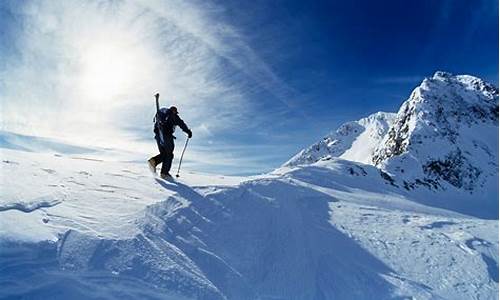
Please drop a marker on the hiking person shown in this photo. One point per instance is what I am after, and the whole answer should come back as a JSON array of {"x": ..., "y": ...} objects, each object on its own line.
[{"x": 165, "y": 122}]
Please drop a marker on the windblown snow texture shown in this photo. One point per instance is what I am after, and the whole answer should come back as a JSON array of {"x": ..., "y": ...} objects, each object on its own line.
[{"x": 329, "y": 225}]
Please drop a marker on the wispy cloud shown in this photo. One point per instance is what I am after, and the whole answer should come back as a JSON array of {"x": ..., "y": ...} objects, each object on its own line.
[{"x": 86, "y": 70}]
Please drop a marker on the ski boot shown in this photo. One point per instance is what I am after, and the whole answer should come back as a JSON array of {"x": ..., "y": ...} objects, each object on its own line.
[
  {"x": 152, "y": 165},
  {"x": 166, "y": 176}
]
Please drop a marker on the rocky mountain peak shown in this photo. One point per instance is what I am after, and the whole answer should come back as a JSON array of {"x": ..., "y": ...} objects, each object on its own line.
[
  {"x": 441, "y": 130},
  {"x": 445, "y": 133}
]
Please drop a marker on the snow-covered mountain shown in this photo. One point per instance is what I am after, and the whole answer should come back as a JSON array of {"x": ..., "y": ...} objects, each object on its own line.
[
  {"x": 354, "y": 141},
  {"x": 76, "y": 226},
  {"x": 445, "y": 134}
]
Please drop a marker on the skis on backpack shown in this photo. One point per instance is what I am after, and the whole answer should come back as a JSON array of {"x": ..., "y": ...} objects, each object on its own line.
[
  {"x": 151, "y": 162},
  {"x": 158, "y": 120},
  {"x": 157, "y": 97}
]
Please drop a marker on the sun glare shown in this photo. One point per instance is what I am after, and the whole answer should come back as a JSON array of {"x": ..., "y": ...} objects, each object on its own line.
[{"x": 107, "y": 70}]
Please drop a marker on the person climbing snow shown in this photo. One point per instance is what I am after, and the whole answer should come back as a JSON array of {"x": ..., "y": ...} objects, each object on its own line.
[{"x": 166, "y": 120}]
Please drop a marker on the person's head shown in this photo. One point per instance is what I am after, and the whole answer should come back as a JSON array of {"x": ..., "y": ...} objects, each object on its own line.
[{"x": 173, "y": 109}]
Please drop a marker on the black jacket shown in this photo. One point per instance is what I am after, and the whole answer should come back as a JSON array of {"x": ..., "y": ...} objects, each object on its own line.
[{"x": 168, "y": 122}]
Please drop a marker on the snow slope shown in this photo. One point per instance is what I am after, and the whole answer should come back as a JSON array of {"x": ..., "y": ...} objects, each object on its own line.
[
  {"x": 75, "y": 228},
  {"x": 354, "y": 141}
]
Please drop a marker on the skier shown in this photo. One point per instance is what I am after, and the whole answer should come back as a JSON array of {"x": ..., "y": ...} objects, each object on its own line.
[{"x": 165, "y": 122}]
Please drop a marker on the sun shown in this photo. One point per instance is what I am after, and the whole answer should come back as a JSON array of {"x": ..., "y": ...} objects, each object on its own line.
[{"x": 107, "y": 70}]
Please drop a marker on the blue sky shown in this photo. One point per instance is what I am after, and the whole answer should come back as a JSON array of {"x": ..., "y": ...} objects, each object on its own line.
[{"x": 256, "y": 80}]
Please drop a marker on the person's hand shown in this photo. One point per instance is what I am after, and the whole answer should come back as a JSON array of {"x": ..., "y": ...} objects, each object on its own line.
[{"x": 190, "y": 134}]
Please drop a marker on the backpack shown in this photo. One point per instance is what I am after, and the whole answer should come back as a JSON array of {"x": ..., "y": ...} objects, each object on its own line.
[{"x": 160, "y": 118}]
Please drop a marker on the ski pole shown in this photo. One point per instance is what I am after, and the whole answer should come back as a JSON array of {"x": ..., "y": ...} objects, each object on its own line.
[
  {"x": 182, "y": 155},
  {"x": 158, "y": 121}
]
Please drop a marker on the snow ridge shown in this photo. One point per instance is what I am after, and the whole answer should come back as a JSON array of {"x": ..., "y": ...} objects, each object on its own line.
[{"x": 354, "y": 141}]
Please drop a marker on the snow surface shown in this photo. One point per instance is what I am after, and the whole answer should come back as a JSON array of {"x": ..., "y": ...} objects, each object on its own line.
[
  {"x": 336, "y": 229},
  {"x": 329, "y": 224}
]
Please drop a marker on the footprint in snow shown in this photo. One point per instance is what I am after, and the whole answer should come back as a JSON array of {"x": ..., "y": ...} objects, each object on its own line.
[
  {"x": 76, "y": 182},
  {"x": 130, "y": 172},
  {"x": 50, "y": 171},
  {"x": 407, "y": 218},
  {"x": 104, "y": 190},
  {"x": 114, "y": 174},
  {"x": 121, "y": 175},
  {"x": 110, "y": 186}
]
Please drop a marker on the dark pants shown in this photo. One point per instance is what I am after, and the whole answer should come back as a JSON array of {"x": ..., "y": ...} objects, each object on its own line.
[{"x": 166, "y": 154}]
